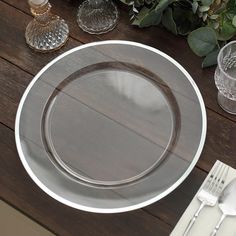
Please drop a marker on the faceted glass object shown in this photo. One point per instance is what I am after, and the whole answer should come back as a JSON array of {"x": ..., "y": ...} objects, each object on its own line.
[
  {"x": 225, "y": 78},
  {"x": 97, "y": 16},
  {"x": 46, "y": 32}
]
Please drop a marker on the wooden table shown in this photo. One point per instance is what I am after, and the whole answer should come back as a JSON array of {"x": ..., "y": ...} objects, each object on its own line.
[{"x": 18, "y": 65}]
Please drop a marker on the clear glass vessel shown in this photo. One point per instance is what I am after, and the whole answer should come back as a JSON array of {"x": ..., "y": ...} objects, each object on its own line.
[
  {"x": 225, "y": 77},
  {"x": 97, "y": 16},
  {"x": 46, "y": 32},
  {"x": 110, "y": 126}
]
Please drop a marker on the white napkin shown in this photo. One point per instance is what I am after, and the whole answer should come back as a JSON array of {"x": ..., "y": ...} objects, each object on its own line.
[{"x": 208, "y": 217}]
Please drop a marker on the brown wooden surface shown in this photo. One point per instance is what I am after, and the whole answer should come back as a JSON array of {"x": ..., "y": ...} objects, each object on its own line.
[{"x": 18, "y": 65}]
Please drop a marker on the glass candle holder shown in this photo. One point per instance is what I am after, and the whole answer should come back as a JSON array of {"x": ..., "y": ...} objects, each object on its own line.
[
  {"x": 225, "y": 77},
  {"x": 46, "y": 32},
  {"x": 97, "y": 16}
]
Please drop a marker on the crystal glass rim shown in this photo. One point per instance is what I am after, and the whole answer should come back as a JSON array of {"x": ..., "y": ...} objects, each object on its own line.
[
  {"x": 119, "y": 209},
  {"x": 219, "y": 63}
]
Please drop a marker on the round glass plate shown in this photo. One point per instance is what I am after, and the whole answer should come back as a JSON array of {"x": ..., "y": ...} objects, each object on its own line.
[{"x": 110, "y": 126}]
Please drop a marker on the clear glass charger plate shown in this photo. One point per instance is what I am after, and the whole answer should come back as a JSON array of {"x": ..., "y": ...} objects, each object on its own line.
[{"x": 110, "y": 126}]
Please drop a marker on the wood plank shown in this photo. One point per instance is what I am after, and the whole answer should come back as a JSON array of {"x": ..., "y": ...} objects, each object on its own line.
[
  {"x": 205, "y": 82},
  {"x": 220, "y": 130},
  {"x": 19, "y": 190},
  {"x": 59, "y": 8},
  {"x": 220, "y": 142},
  {"x": 12, "y": 86},
  {"x": 11, "y": 91},
  {"x": 12, "y": 42},
  {"x": 220, "y": 145},
  {"x": 172, "y": 207},
  {"x": 175, "y": 46},
  {"x": 13, "y": 82}
]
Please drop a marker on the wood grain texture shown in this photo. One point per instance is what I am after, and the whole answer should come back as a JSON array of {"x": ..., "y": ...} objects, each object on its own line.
[
  {"x": 18, "y": 189},
  {"x": 18, "y": 65},
  {"x": 12, "y": 42},
  {"x": 172, "y": 207},
  {"x": 157, "y": 37},
  {"x": 13, "y": 82}
]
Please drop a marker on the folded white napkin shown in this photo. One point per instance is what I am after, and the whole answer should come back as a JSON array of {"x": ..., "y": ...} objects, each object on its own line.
[{"x": 208, "y": 217}]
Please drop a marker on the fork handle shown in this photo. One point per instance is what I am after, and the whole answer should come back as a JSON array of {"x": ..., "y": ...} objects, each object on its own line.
[
  {"x": 192, "y": 221},
  {"x": 214, "y": 232}
]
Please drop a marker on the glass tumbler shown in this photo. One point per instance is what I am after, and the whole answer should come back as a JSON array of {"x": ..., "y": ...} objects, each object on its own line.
[
  {"x": 225, "y": 77},
  {"x": 97, "y": 16}
]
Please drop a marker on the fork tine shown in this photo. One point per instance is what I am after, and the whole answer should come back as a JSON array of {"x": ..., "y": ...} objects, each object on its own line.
[
  {"x": 222, "y": 180},
  {"x": 213, "y": 176},
  {"x": 225, "y": 176},
  {"x": 210, "y": 191},
  {"x": 209, "y": 180},
  {"x": 218, "y": 178}
]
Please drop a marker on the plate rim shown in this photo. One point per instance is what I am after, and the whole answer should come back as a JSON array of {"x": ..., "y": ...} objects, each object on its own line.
[{"x": 119, "y": 209}]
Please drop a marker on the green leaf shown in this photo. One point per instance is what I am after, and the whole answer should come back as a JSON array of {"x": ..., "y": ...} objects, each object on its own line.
[
  {"x": 203, "y": 8},
  {"x": 143, "y": 12},
  {"x": 213, "y": 17},
  {"x": 234, "y": 21},
  {"x": 227, "y": 31},
  {"x": 163, "y": 4},
  {"x": 231, "y": 4},
  {"x": 127, "y": 2},
  {"x": 195, "y": 7},
  {"x": 202, "y": 40},
  {"x": 152, "y": 18},
  {"x": 185, "y": 20},
  {"x": 168, "y": 21},
  {"x": 135, "y": 22},
  {"x": 206, "y": 2},
  {"x": 210, "y": 59},
  {"x": 148, "y": 17}
]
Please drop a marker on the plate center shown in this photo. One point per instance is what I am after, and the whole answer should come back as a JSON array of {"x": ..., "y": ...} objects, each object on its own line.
[{"x": 108, "y": 126}]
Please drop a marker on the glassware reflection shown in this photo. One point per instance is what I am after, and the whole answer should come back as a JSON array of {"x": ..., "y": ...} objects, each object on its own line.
[
  {"x": 225, "y": 77},
  {"x": 97, "y": 16}
]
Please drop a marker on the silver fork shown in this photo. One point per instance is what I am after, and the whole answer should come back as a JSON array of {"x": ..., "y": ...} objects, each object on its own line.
[{"x": 210, "y": 191}]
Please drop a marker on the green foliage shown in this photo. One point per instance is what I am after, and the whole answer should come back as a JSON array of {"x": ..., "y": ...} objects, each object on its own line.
[
  {"x": 234, "y": 21},
  {"x": 206, "y": 2},
  {"x": 211, "y": 58},
  {"x": 186, "y": 21},
  {"x": 206, "y": 22},
  {"x": 168, "y": 21},
  {"x": 202, "y": 40},
  {"x": 227, "y": 31},
  {"x": 147, "y": 17},
  {"x": 152, "y": 15}
]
